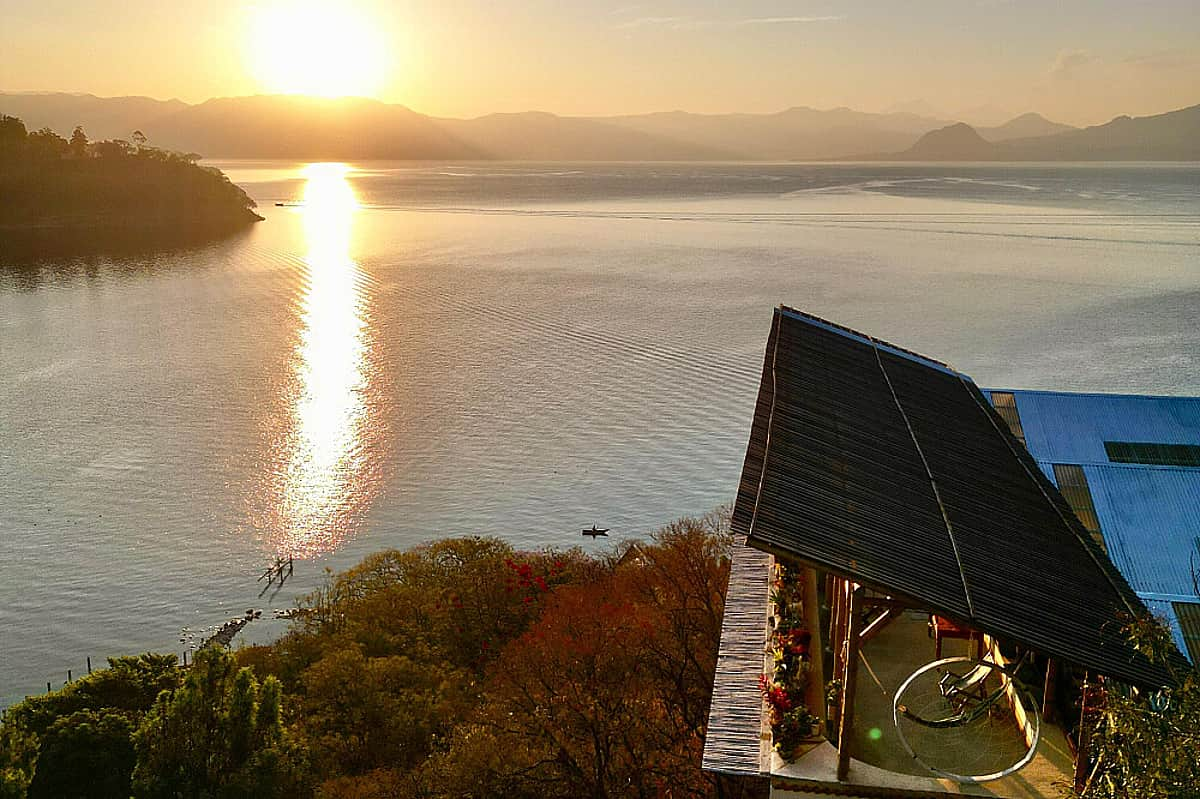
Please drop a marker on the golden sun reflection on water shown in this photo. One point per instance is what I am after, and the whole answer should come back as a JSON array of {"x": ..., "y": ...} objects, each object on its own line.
[{"x": 321, "y": 489}]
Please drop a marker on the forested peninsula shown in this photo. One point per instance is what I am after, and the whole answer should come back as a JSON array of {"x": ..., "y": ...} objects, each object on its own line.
[{"x": 52, "y": 185}]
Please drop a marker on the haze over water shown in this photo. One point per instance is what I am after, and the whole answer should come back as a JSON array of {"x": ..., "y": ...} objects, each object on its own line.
[{"x": 522, "y": 350}]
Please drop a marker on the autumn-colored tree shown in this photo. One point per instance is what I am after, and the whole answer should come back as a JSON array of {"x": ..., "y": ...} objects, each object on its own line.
[
  {"x": 686, "y": 571},
  {"x": 459, "y": 598},
  {"x": 361, "y": 714},
  {"x": 606, "y": 694},
  {"x": 462, "y": 668}
]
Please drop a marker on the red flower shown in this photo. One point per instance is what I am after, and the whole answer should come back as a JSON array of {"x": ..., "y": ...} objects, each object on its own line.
[{"x": 778, "y": 698}]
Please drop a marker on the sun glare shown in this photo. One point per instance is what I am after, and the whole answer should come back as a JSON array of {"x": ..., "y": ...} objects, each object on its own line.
[
  {"x": 325, "y": 49},
  {"x": 323, "y": 485}
]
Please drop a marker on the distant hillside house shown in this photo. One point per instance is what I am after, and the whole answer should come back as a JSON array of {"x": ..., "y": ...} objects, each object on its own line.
[{"x": 914, "y": 607}]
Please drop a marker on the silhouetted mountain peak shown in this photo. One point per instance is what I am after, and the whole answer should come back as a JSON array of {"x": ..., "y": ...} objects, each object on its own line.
[{"x": 955, "y": 142}]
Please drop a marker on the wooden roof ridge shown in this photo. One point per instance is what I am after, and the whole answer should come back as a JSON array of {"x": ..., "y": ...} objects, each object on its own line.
[{"x": 850, "y": 332}]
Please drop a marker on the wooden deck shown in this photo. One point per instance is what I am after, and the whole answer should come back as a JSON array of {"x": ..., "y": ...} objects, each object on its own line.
[{"x": 737, "y": 741}]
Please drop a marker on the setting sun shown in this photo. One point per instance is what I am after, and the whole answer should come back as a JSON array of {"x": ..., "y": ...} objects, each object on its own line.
[{"x": 317, "y": 48}]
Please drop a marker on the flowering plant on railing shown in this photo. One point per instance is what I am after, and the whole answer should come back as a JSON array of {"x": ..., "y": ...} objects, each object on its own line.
[{"x": 784, "y": 691}]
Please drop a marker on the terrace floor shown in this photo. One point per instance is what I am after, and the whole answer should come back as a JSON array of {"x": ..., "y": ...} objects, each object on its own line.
[{"x": 879, "y": 758}]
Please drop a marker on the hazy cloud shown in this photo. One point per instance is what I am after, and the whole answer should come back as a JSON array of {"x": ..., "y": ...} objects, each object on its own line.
[
  {"x": 1163, "y": 59},
  {"x": 1068, "y": 61},
  {"x": 1078, "y": 63},
  {"x": 788, "y": 20},
  {"x": 645, "y": 22},
  {"x": 688, "y": 23}
]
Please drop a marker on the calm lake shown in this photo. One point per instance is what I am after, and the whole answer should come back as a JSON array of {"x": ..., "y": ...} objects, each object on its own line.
[{"x": 404, "y": 352}]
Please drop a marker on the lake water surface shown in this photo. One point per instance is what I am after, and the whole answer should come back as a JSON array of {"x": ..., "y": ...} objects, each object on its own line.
[{"x": 415, "y": 351}]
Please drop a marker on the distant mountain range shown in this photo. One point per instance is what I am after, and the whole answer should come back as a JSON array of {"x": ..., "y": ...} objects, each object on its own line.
[
  {"x": 303, "y": 128},
  {"x": 1173, "y": 136}
]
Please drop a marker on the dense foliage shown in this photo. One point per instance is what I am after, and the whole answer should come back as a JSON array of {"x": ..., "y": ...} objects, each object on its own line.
[
  {"x": 1147, "y": 744},
  {"x": 461, "y": 668},
  {"x": 78, "y": 741},
  {"x": 49, "y": 181}
]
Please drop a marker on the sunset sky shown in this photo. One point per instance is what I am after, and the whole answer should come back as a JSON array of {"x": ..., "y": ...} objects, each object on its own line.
[{"x": 1074, "y": 60}]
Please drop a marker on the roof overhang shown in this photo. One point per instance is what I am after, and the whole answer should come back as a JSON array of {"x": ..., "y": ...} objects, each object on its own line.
[{"x": 892, "y": 469}]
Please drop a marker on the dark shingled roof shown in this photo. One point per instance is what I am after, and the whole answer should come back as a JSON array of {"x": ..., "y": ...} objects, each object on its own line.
[{"x": 892, "y": 469}]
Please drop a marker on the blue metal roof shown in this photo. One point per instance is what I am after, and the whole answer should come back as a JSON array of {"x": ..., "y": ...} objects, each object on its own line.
[{"x": 1149, "y": 514}]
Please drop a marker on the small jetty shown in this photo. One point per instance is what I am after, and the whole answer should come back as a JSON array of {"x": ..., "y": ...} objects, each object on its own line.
[
  {"x": 225, "y": 633},
  {"x": 281, "y": 569},
  {"x": 276, "y": 575}
]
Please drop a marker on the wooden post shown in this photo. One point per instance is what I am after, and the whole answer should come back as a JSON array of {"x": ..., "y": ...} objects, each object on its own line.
[
  {"x": 853, "y": 625},
  {"x": 831, "y": 596},
  {"x": 1083, "y": 747},
  {"x": 839, "y": 630},
  {"x": 1049, "y": 711},
  {"x": 89, "y": 661},
  {"x": 815, "y": 695},
  {"x": 48, "y": 686},
  {"x": 836, "y": 639},
  {"x": 68, "y": 675}
]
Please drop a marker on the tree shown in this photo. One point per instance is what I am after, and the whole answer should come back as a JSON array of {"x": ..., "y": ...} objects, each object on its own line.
[
  {"x": 86, "y": 754},
  {"x": 12, "y": 135},
  {"x": 79, "y": 142},
  {"x": 81, "y": 734},
  {"x": 18, "y": 753},
  {"x": 45, "y": 145},
  {"x": 362, "y": 714},
  {"x": 220, "y": 734},
  {"x": 1147, "y": 743},
  {"x": 606, "y": 694}
]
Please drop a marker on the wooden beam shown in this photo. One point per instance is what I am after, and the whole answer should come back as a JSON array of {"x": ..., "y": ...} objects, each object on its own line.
[
  {"x": 793, "y": 559},
  {"x": 887, "y": 602},
  {"x": 853, "y": 628},
  {"x": 873, "y": 629}
]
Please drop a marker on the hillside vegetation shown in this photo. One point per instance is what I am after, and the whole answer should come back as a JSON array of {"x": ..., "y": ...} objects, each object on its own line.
[
  {"x": 462, "y": 668},
  {"x": 48, "y": 182}
]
